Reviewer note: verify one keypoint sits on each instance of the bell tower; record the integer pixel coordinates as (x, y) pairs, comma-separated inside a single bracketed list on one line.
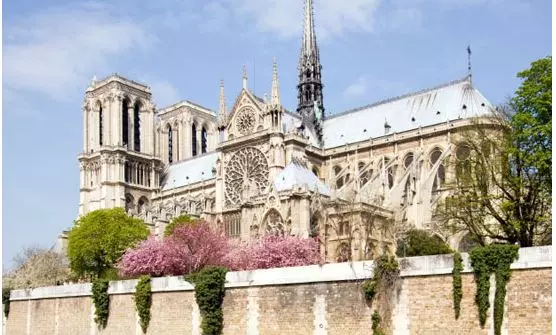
[(119, 166)]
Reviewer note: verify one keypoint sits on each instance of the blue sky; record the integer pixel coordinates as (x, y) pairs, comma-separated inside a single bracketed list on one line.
[(370, 50)]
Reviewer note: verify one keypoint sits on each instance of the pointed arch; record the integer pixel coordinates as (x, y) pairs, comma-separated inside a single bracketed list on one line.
[(125, 120), (137, 126), (100, 124), (194, 139), (170, 144), (273, 224), (204, 140)]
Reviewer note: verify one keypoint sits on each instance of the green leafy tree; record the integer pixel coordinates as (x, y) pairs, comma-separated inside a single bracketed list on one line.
[(419, 242), (502, 187), (98, 240), (178, 221)]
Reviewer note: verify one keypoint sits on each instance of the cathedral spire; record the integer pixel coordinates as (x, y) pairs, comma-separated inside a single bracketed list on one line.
[(275, 93), (222, 106), (309, 89), (244, 77), (309, 46)]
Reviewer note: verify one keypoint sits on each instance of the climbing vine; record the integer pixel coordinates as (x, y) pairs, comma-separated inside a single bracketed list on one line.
[(497, 259), (209, 293), (101, 300), (6, 300), (457, 287), (143, 301), (385, 275)]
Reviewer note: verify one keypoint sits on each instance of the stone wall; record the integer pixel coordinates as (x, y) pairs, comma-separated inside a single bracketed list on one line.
[(302, 300)]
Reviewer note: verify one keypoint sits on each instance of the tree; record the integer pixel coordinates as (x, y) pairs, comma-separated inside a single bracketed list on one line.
[(99, 238), (502, 186), (178, 221), (35, 267), (419, 242)]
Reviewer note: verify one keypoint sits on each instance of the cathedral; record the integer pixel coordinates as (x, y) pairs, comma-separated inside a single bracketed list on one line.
[(255, 168)]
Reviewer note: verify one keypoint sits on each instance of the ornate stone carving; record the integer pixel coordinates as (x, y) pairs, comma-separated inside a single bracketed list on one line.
[(246, 175), (245, 121)]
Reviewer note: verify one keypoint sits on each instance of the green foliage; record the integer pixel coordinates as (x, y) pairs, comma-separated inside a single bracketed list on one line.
[(177, 221), (209, 293), (6, 300), (419, 242), (376, 324), (98, 240), (497, 259), (370, 288), (101, 300), (143, 301), (457, 287)]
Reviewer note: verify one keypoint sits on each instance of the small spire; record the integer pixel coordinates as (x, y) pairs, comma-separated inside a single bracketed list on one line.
[(469, 60), (244, 77), (222, 106), (275, 93), (309, 37)]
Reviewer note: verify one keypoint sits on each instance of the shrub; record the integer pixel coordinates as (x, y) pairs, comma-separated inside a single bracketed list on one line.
[(6, 300), (101, 300), (421, 243), (99, 239), (273, 252), (187, 250)]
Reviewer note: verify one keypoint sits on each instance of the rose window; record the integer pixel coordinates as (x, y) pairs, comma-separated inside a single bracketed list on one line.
[(245, 121), (246, 175)]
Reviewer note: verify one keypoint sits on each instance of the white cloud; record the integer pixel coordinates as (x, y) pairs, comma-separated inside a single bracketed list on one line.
[(356, 89), (164, 93), (57, 51)]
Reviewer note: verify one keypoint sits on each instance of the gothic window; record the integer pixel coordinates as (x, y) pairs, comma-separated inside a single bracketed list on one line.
[(232, 224), (408, 160), (246, 175), (440, 174), (407, 192), (391, 174), (313, 226), (125, 121), (204, 140), (273, 223), (127, 172), (170, 145), (128, 202), (339, 180), (193, 140), (100, 124), (364, 176), (245, 121), (136, 127), (463, 164), (315, 171), (142, 205)]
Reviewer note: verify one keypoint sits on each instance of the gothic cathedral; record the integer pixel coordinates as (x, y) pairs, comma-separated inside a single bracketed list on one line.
[(349, 177)]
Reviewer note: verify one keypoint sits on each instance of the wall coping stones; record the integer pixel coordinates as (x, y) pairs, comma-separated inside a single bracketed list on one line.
[(529, 258)]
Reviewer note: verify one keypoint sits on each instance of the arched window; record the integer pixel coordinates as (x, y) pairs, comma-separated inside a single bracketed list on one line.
[(193, 140), (339, 181), (100, 129), (273, 223), (408, 160), (125, 121), (127, 172), (364, 176), (343, 253), (315, 171), (440, 176), (463, 164), (136, 127), (170, 145), (204, 140)]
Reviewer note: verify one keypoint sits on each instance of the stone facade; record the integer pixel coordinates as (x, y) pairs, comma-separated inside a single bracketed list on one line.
[(304, 300), (260, 168)]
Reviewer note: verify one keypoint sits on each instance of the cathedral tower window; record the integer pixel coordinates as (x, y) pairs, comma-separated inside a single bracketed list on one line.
[(136, 127), (193, 140), (127, 172), (100, 125), (204, 141), (125, 121), (170, 145)]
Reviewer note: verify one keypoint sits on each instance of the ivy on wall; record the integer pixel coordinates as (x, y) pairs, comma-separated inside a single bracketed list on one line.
[(101, 300), (497, 259), (385, 275), (209, 294), (6, 300), (457, 287), (143, 301)]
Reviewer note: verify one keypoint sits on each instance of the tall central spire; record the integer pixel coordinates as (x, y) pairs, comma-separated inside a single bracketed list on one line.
[(309, 37), (309, 89)]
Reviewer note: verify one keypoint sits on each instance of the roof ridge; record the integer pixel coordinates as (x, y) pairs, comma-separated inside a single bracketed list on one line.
[(399, 97)]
